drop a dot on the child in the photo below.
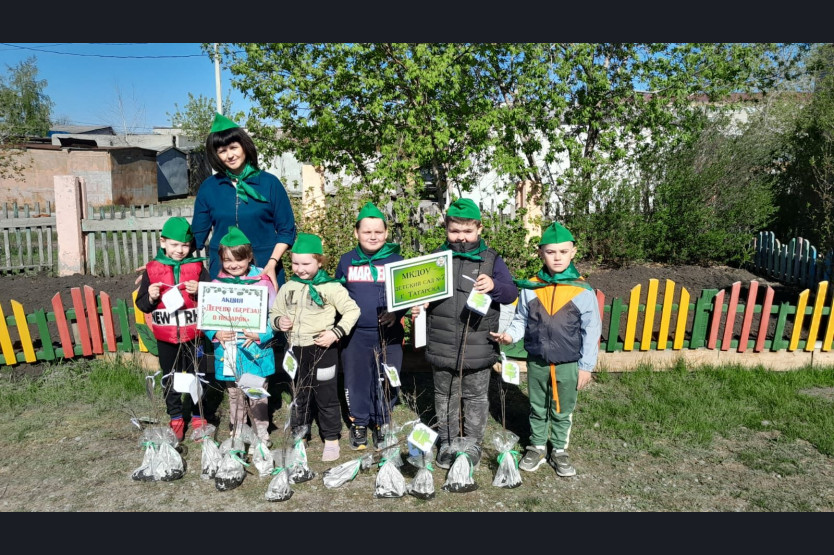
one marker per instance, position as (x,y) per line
(178,340)
(378,335)
(236,353)
(306,308)
(558,317)
(458,339)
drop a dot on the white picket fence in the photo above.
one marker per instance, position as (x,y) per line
(29,238)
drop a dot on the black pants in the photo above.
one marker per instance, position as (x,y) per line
(316,390)
(181,357)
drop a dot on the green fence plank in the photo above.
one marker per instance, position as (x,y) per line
(779,342)
(47,351)
(702,310)
(124,343)
(614,326)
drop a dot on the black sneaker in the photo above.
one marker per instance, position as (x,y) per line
(358,437)
(444,458)
(561,462)
(378,436)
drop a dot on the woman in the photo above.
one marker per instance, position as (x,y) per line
(240,194)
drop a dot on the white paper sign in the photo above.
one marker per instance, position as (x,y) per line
(290,364)
(172,299)
(422,437)
(229,306)
(420,329)
(393,375)
(251,380)
(510,370)
(187,383)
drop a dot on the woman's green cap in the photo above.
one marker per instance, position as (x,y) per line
(178,229)
(370,211)
(307,243)
(556,233)
(234,237)
(464,208)
(221,123)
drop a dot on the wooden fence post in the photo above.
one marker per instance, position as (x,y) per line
(68,225)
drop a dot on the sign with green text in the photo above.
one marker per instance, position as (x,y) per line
(418,280)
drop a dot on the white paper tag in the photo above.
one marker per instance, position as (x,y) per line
(510,371)
(478,302)
(290,364)
(255,393)
(420,329)
(393,375)
(251,380)
(422,437)
(183,382)
(172,299)
(229,358)
(195,389)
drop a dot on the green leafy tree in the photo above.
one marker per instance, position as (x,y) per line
(25,111)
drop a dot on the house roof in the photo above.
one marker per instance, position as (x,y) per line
(81,130)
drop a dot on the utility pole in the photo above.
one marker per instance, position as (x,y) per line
(217,79)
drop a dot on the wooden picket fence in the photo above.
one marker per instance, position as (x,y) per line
(97,324)
(29,238)
(795,262)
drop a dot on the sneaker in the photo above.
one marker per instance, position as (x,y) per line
(330,451)
(561,462)
(378,436)
(358,437)
(178,425)
(532,459)
(444,458)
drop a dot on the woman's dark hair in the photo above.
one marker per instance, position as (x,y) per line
(225,138)
(238,252)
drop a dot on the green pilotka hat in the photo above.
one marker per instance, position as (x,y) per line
(234,237)
(178,229)
(307,243)
(464,208)
(370,211)
(221,123)
(556,233)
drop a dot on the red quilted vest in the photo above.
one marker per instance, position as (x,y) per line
(181,326)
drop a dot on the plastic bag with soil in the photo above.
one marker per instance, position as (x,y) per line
(262,458)
(232,469)
(345,472)
(279,487)
(422,485)
(161,461)
(296,458)
(507,475)
(461,475)
(210,459)
(389,480)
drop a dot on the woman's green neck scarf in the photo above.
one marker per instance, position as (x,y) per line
(163,258)
(387,250)
(240,280)
(244,190)
(569,276)
(320,277)
(470,254)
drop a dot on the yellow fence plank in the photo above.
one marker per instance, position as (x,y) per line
(139,318)
(23,331)
(816,316)
(6,341)
(631,322)
(829,329)
(648,319)
(683,312)
(802,302)
(666,315)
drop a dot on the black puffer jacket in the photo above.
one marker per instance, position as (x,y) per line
(447,321)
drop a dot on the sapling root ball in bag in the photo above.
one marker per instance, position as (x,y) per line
(507,475)
(279,486)
(231,472)
(345,472)
(389,480)
(161,461)
(210,459)
(145,472)
(461,475)
(296,458)
(168,464)
(422,485)
(262,458)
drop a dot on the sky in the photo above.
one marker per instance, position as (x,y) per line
(87,80)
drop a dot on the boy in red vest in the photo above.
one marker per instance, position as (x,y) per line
(171,278)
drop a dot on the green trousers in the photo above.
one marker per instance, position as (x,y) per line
(549,416)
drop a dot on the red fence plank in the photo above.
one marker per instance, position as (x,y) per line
(601,302)
(83,332)
(107,314)
(92,316)
(730,321)
(63,327)
(748,316)
(717,307)
(763,321)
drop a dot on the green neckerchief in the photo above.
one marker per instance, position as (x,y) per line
(163,258)
(244,190)
(469,255)
(387,250)
(320,277)
(241,280)
(569,276)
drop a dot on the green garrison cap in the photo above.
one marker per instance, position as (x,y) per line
(464,208)
(556,233)
(307,243)
(221,123)
(370,211)
(234,237)
(178,229)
